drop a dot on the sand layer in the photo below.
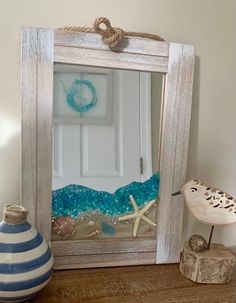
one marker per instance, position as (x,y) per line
(91,226)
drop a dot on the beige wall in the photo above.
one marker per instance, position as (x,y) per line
(207,24)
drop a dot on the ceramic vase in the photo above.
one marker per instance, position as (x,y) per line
(25,257)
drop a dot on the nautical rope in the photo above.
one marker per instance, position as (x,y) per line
(111,36)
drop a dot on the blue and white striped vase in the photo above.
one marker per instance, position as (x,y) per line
(25,257)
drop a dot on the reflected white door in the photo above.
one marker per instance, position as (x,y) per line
(107,156)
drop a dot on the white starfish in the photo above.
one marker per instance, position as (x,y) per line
(138,215)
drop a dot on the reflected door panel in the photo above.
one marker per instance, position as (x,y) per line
(103,157)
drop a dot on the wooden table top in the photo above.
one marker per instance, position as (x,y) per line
(135,284)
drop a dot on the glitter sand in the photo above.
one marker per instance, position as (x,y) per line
(91,224)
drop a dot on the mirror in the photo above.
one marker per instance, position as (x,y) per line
(89,115)
(105,152)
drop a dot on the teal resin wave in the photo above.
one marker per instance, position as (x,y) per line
(75,199)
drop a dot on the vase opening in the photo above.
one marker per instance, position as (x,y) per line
(14,214)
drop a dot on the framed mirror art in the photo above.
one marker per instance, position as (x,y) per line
(104,144)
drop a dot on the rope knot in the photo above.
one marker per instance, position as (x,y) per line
(111,36)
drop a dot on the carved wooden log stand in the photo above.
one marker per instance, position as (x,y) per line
(214,265)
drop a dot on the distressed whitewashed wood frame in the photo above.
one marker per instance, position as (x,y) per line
(40,49)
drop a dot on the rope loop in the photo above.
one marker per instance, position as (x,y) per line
(112,36)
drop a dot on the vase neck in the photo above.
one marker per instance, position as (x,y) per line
(14,214)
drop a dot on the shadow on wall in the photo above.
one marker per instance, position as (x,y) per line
(191,225)
(194,127)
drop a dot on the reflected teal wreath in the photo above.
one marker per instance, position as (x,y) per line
(74,93)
